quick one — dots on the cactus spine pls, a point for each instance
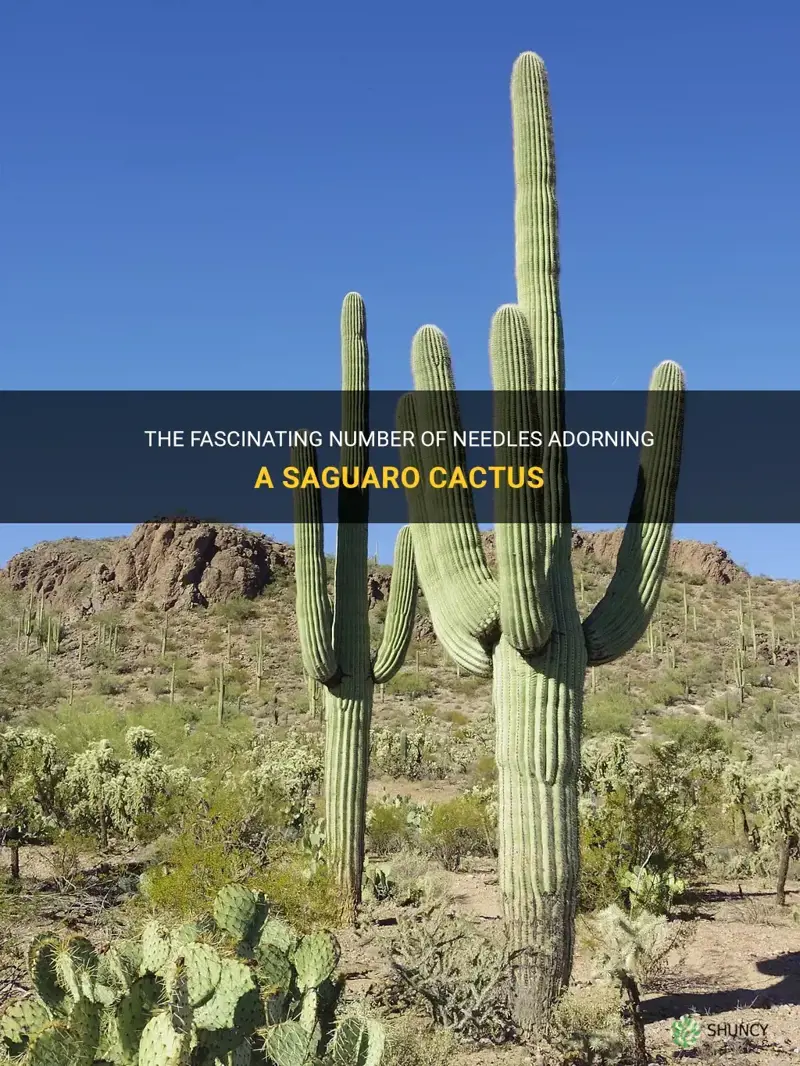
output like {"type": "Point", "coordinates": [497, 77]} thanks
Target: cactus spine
{"type": "Point", "coordinates": [335, 639]}
{"type": "Point", "coordinates": [523, 627]}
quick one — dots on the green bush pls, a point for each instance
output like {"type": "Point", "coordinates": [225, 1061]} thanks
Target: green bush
{"type": "Point", "coordinates": [185, 732]}
{"type": "Point", "coordinates": [108, 684]}
{"type": "Point", "coordinates": [665, 691]}
{"type": "Point", "coordinates": [691, 735]}
{"type": "Point", "coordinates": [26, 685]}
{"type": "Point", "coordinates": [656, 816]}
{"type": "Point", "coordinates": [387, 828]}
{"type": "Point", "coordinates": [308, 900]}
{"type": "Point", "coordinates": [610, 711]}
{"type": "Point", "coordinates": [240, 835]}
{"type": "Point", "coordinates": [456, 828]}
{"type": "Point", "coordinates": [457, 718]}
{"type": "Point", "coordinates": [411, 684]}
{"type": "Point", "coordinates": [236, 609]}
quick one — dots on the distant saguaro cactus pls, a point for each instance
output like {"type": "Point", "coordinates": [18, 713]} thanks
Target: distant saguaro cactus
{"type": "Point", "coordinates": [335, 638]}
{"type": "Point", "coordinates": [523, 626]}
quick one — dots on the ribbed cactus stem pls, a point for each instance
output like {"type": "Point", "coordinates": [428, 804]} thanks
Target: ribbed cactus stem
{"type": "Point", "coordinates": [523, 626]}
{"type": "Point", "coordinates": [335, 638]}
{"type": "Point", "coordinates": [221, 694]}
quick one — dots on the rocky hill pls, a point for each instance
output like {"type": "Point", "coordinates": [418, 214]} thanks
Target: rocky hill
{"type": "Point", "coordinates": [162, 614]}
{"type": "Point", "coordinates": [182, 565]}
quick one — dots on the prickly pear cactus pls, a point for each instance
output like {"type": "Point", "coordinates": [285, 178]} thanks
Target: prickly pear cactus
{"type": "Point", "coordinates": [242, 990]}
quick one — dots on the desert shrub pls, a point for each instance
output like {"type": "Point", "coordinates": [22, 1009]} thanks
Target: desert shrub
{"type": "Point", "coordinates": [411, 684]}
{"type": "Point", "coordinates": [106, 683]}
{"type": "Point", "coordinates": [457, 718]}
{"type": "Point", "coordinates": [653, 815]}
{"type": "Point", "coordinates": [416, 882]}
{"type": "Point", "coordinates": [66, 856]}
{"type": "Point", "coordinates": [691, 735]}
{"type": "Point", "coordinates": [236, 835]}
{"type": "Point", "coordinates": [158, 685]}
{"type": "Point", "coordinates": [444, 963]}
{"type": "Point", "coordinates": [236, 609]}
{"type": "Point", "coordinates": [467, 686]}
{"type": "Point", "coordinates": [223, 839]}
{"type": "Point", "coordinates": [610, 711]}
{"type": "Point", "coordinates": [458, 827]}
{"type": "Point", "coordinates": [665, 691]}
{"type": "Point", "coordinates": [726, 706]}
{"type": "Point", "coordinates": [388, 829]}
{"type": "Point", "coordinates": [485, 770]}
{"type": "Point", "coordinates": [26, 685]}
{"type": "Point", "coordinates": [214, 642]}
{"type": "Point", "coordinates": [411, 1042]}
{"type": "Point", "coordinates": [185, 732]}
{"type": "Point", "coordinates": [309, 900]}
{"type": "Point", "coordinates": [587, 1026]}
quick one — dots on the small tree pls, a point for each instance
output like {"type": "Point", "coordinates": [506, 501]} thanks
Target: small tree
{"type": "Point", "coordinates": [779, 803]}
{"type": "Point", "coordinates": [31, 770]}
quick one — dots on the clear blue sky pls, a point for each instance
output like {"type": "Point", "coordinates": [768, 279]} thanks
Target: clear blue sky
{"type": "Point", "coordinates": [188, 190]}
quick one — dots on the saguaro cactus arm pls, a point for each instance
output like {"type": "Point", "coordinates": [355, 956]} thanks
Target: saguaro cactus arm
{"type": "Point", "coordinates": [463, 648]}
{"type": "Point", "coordinates": [350, 624]}
{"type": "Point", "coordinates": [314, 611]}
{"type": "Point", "coordinates": [526, 616]}
{"type": "Point", "coordinates": [461, 592]}
{"type": "Point", "coordinates": [402, 606]}
{"type": "Point", "coordinates": [457, 538]}
{"type": "Point", "coordinates": [621, 617]}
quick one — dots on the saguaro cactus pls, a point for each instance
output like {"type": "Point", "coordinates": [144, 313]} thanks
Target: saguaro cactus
{"type": "Point", "coordinates": [523, 626]}
{"type": "Point", "coordinates": [335, 638]}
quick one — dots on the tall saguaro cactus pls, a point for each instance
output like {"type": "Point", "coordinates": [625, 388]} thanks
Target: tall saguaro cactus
{"type": "Point", "coordinates": [334, 638]}
{"type": "Point", "coordinates": [523, 626]}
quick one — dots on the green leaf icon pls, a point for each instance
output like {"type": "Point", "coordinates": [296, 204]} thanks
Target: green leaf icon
{"type": "Point", "coordinates": [685, 1031]}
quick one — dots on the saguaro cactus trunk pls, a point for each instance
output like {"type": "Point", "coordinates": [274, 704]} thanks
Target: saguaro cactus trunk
{"type": "Point", "coordinates": [523, 626]}
{"type": "Point", "coordinates": [335, 638]}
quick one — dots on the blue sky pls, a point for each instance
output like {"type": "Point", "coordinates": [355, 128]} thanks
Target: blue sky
{"type": "Point", "coordinates": [187, 192]}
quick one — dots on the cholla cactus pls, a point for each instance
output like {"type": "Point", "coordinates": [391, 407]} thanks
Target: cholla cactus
{"type": "Point", "coordinates": [140, 742]}
{"type": "Point", "coordinates": [243, 987]}
{"type": "Point", "coordinates": [523, 627]}
{"type": "Point", "coordinates": [295, 765]}
{"type": "Point", "coordinates": [737, 780]}
{"type": "Point", "coordinates": [31, 771]}
{"type": "Point", "coordinates": [335, 638]}
{"type": "Point", "coordinates": [626, 949]}
{"type": "Point", "coordinates": [778, 795]}
{"type": "Point", "coordinates": [605, 765]}
{"type": "Point", "coordinates": [106, 795]}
